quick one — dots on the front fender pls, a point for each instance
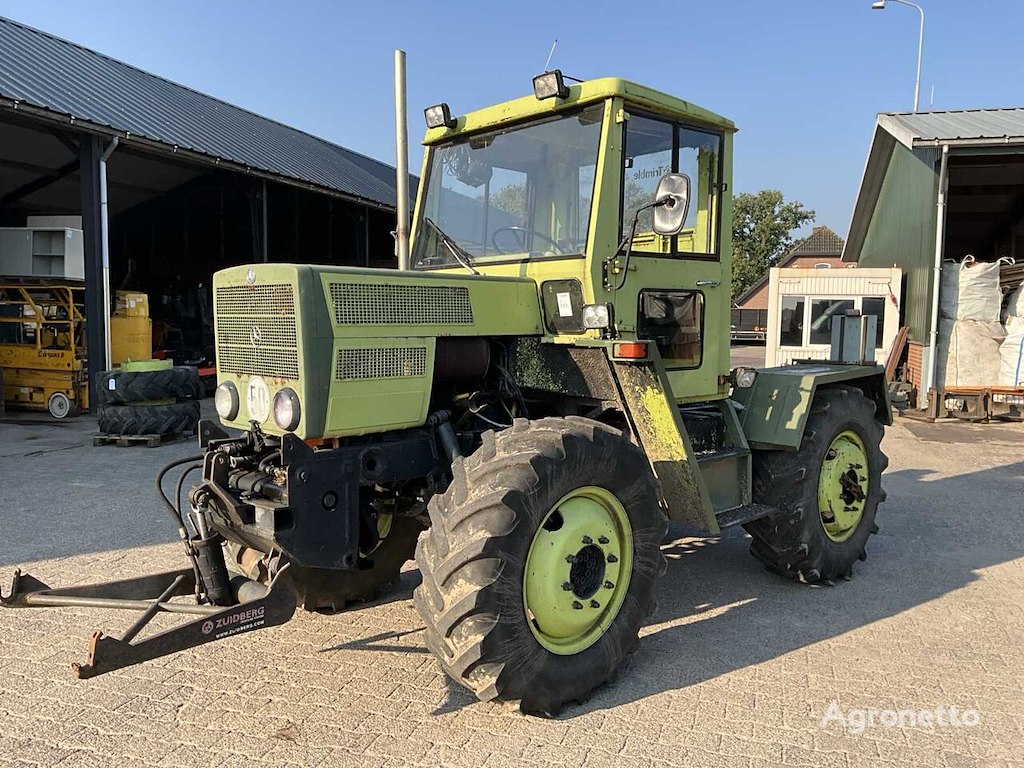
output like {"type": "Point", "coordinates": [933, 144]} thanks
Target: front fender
{"type": "Point", "coordinates": [775, 408]}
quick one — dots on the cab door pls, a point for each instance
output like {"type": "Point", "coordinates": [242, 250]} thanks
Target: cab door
{"type": "Point", "coordinates": [679, 284]}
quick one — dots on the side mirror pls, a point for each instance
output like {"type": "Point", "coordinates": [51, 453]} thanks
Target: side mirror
{"type": "Point", "coordinates": [672, 203]}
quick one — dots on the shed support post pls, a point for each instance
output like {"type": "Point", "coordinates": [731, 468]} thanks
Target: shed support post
{"type": "Point", "coordinates": [930, 385]}
{"type": "Point", "coordinates": [92, 236]}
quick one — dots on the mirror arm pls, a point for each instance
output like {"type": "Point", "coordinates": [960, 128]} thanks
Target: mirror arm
{"type": "Point", "coordinates": [627, 243]}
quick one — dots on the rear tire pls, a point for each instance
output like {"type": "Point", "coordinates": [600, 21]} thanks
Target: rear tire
{"type": "Point", "coordinates": [807, 539]}
{"type": "Point", "coordinates": [482, 562]}
{"type": "Point", "coordinates": [174, 418]}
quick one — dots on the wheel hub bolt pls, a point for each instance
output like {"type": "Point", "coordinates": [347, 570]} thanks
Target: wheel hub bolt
{"type": "Point", "coordinates": [602, 539]}
{"type": "Point", "coordinates": [567, 586]}
{"type": "Point", "coordinates": [587, 540]}
{"type": "Point", "coordinates": [577, 605]}
{"type": "Point", "coordinates": [609, 585]}
{"type": "Point", "coordinates": [612, 559]}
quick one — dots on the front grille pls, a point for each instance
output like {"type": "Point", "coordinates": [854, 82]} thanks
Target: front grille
{"type": "Point", "coordinates": [381, 363]}
{"type": "Point", "coordinates": [256, 331]}
{"type": "Point", "coordinates": [268, 299]}
{"type": "Point", "coordinates": [388, 304]}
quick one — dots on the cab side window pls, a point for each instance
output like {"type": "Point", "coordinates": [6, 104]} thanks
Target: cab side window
{"type": "Point", "coordinates": [654, 148]}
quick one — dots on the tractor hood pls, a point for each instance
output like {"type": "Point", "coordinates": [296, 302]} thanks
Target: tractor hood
{"type": "Point", "coordinates": [354, 348]}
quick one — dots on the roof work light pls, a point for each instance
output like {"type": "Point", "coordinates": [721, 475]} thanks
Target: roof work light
{"type": "Point", "coordinates": [439, 116]}
{"type": "Point", "coordinates": [550, 85]}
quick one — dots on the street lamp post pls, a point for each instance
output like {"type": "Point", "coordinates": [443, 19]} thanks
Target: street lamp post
{"type": "Point", "coordinates": [879, 5]}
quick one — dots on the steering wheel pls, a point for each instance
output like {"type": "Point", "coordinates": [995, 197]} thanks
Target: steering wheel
{"type": "Point", "coordinates": [520, 235]}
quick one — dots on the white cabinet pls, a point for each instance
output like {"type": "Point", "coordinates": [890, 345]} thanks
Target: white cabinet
{"type": "Point", "coordinates": [42, 252]}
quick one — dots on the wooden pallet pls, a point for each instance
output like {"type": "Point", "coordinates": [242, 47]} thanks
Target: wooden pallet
{"type": "Point", "coordinates": [129, 441]}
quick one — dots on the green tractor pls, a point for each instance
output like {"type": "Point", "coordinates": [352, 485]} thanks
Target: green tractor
{"type": "Point", "coordinates": [524, 410]}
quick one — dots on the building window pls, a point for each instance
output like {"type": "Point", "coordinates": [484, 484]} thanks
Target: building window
{"type": "Point", "coordinates": [875, 305]}
{"type": "Point", "coordinates": [822, 312]}
{"type": "Point", "coordinates": [792, 326]}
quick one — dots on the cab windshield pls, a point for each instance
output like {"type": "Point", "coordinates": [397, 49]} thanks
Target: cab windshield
{"type": "Point", "coordinates": [511, 195]}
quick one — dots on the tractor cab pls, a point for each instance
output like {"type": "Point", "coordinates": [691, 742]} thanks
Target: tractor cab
{"type": "Point", "coordinates": [611, 196]}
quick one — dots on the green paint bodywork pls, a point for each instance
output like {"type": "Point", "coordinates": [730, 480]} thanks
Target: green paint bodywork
{"type": "Point", "coordinates": [361, 355]}
{"type": "Point", "coordinates": [569, 603]}
{"type": "Point", "coordinates": [333, 406]}
{"type": "Point", "coordinates": [775, 409]}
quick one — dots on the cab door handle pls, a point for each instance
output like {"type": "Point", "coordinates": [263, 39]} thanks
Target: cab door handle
{"type": "Point", "coordinates": [708, 283]}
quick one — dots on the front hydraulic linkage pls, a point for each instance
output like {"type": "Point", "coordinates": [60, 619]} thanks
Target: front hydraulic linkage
{"type": "Point", "coordinates": [152, 594]}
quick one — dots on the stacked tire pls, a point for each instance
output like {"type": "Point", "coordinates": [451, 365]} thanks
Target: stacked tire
{"type": "Point", "coordinates": [148, 402]}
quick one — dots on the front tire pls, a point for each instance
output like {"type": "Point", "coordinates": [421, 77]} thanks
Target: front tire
{"type": "Point", "coordinates": [540, 562]}
{"type": "Point", "coordinates": [826, 493]}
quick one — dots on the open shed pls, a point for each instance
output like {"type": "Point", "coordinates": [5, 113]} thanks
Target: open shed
{"type": "Point", "coordinates": [183, 183]}
{"type": "Point", "coordinates": [939, 186]}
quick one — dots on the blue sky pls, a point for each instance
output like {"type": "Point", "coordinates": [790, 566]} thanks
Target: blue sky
{"type": "Point", "coordinates": [803, 79]}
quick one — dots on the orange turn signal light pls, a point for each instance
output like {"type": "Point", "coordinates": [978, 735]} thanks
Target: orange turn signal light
{"type": "Point", "coordinates": [630, 350]}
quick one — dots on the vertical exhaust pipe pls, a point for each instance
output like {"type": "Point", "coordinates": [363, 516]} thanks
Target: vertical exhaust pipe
{"type": "Point", "coordinates": [401, 163]}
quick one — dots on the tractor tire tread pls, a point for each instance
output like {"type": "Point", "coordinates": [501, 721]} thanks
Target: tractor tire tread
{"type": "Point", "coordinates": [170, 419]}
{"type": "Point", "coordinates": [120, 387]}
{"type": "Point", "coordinates": [463, 555]}
{"type": "Point", "coordinates": [791, 542]}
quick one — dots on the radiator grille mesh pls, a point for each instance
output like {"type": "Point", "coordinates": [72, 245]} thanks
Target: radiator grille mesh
{"type": "Point", "coordinates": [380, 363]}
{"type": "Point", "coordinates": [256, 331]}
{"type": "Point", "coordinates": [387, 304]}
{"type": "Point", "coordinates": [268, 299]}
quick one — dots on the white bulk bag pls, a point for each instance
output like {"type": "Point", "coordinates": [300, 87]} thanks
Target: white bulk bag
{"type": "Point", "coordinates": [1015, 304]}
{"type": "Point", "coordinates": [970, 290]}
{"type": "Point", "coordinates": [969, 353]}
{"type": "Point", "coordinates": [1011, 354]}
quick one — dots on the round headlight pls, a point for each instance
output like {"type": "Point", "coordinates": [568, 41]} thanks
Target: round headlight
{"type": "Point", "coordinates": [286, 409]}
{"type": "Point", "coordinates": [225, 400]}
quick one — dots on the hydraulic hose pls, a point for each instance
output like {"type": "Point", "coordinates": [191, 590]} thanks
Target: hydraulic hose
{"type": "Point", "coordinates": [171, 509]}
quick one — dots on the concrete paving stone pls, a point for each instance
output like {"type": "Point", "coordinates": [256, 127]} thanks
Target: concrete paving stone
{"type": "Point", "coordinates": [737, 668]}
{"type": "Point", "coordinates": [793, 755]}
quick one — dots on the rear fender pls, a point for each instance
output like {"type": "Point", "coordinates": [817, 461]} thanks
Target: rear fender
{"type": "Point", "coordinates": [776, 407]}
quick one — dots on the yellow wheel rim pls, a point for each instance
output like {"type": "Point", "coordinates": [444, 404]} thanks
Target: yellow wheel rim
{"type": "Point", "coordinates": [577, 570]}
{"type": "Point", "coordinates": [843, 486]}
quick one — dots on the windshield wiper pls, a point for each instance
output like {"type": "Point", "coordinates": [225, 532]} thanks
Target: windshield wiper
{"type": "Point", "coordinates": [461, 254]}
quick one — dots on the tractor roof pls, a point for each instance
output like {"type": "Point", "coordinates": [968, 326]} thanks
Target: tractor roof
{"type": "Point", "coordinates": [580, 94]}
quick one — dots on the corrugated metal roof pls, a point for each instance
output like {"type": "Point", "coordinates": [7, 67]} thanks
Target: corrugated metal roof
{"type": "Point", "coordinates": [48, 72]}
{"type": "Point", "coordinates": [964, 125]}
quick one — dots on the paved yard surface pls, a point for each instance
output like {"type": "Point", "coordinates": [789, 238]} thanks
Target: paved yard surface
{"type": "Point", "coordinates": [750, 355]}
{"type": "Point", "coordinates": [737, 667]}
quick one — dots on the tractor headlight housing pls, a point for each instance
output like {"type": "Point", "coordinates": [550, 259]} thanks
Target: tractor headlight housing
{"type": "Point", "coordinates": [550, 85]}
{"type": "Point", "coordinates": [597, 316]}
{"type": "Point", "coordinates": [439, 116]}
{"type": "Point", "coordinates": [744, 377]}
{"type": "Point", "coordinates": [287, 411]}
{"type": "Point", "coordinates": [225, 400]}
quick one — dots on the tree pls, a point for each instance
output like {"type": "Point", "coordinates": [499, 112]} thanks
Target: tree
{"type": "Point", "coordinates": [762, 228]}
{"type": "Point", "coordinates": [511, 199]}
